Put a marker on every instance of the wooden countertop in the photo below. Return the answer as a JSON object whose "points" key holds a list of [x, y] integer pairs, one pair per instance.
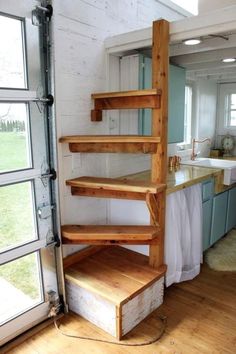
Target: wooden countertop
{"points": [[184, 177]]}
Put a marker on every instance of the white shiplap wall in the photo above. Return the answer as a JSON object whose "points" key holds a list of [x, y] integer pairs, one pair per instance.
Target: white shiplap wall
{"points": [[79, 30]]}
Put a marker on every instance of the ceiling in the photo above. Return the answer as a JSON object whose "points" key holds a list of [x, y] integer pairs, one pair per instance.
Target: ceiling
{"points": [[205, 59]]}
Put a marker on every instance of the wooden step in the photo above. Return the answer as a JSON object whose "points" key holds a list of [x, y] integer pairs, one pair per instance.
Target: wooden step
{"points": [[109, 234], [113, 188], [131, 93], [124, 100], [114, 288], [112, 143]]}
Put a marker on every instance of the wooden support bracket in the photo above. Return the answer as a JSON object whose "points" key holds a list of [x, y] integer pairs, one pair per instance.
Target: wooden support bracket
{"points": [[152, 204]]}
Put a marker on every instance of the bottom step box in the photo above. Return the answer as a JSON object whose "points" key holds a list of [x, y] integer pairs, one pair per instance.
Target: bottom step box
{"points": [[115, 289]]}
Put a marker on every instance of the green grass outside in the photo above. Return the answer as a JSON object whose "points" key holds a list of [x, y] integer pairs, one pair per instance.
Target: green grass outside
{"points": [[16, 220], [13, 153]]}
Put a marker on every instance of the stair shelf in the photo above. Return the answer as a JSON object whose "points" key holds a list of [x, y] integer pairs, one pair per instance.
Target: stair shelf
{"points": [[134, 144], [153, 193], [109, 234], [124, 100]]}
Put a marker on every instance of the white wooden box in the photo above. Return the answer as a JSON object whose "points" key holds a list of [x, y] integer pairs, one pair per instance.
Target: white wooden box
{"points": [[115, 296]]}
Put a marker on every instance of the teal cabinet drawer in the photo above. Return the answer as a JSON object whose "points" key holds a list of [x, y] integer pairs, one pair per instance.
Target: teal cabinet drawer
{"points": [[176, 100], [219, 213], [206, 224], [207, 190], [231, 210]]}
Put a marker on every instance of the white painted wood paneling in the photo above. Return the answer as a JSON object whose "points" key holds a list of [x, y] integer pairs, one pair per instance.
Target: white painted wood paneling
{"points": [[206, 5], [135, 310], [130, 212], [204, 112], [102, 313], [92, 307], [129, 80]]}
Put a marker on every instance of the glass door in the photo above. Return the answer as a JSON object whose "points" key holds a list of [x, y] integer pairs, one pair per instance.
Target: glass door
{"points": [[28, 278]]}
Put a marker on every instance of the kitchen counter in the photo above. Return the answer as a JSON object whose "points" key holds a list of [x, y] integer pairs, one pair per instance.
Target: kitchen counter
{"points": [[185, 176]]}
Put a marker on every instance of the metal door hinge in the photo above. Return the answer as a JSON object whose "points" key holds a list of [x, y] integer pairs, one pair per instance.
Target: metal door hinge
{"points": [[39, 14], [49, 100], [52, 239], [45, 211], [51, 174]]}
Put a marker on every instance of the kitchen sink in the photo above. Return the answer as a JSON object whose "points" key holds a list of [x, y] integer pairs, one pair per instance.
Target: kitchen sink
{"points": [[229, 167]]}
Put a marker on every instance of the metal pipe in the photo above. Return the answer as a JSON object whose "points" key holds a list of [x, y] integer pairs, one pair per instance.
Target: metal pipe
{"points": [[194, 141], [44, 9]]}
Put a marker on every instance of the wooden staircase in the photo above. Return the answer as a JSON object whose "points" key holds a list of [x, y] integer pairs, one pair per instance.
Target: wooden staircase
{"points": [[152, 193]]}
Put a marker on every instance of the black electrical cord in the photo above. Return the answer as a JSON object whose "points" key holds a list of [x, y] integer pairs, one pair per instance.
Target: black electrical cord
{"points": [[148, 342]]}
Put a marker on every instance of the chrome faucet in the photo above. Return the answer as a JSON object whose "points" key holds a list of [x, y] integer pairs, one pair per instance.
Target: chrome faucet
{"points": [[194, 141]]}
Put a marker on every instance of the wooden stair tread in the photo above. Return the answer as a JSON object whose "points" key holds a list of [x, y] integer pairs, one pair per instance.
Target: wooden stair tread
{"points": [[148, 92], [116, 184], [137, 99], [115, 273], [88, 234], [109, 139]]}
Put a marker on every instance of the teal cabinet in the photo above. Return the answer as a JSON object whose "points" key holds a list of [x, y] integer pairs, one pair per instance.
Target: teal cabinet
{"points": [[231, 210], [219, 214], [176, 99], [206, 224], [176, 104], [207, 197], [207, 190]]}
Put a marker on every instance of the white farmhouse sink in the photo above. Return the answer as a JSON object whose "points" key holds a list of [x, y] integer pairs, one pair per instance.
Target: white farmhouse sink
{"points": [[229, 167]]}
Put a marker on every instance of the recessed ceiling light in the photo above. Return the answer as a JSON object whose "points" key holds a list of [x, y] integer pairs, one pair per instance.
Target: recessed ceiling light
{"points": [[192, 41], [229, 60]]}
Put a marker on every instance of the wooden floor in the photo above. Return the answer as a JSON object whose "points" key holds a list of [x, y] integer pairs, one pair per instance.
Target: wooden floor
{"points": [[201, 319]]}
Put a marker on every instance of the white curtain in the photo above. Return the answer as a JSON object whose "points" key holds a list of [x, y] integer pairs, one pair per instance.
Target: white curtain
{"points": [[183, 236]]}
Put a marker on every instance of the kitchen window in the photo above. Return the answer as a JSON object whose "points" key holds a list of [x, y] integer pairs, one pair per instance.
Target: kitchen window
{"points": [[187, 119], [226, 109], [230, 110]]}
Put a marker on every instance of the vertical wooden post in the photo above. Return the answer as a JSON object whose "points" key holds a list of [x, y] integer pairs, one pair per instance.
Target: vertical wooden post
{"points": [[160, 68]]}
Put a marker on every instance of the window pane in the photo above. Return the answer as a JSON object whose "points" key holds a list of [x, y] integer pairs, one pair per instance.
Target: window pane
{"points": [[12, 73], [17, 221], [232, 119], [187, 114], [233, 101], [20, 284], [14, 137]]}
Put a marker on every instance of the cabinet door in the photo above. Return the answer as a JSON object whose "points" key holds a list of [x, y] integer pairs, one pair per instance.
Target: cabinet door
{"points": [[176, 100], [206, 224], [219, 213], [207, 190], [231, 214], [176, 104]]}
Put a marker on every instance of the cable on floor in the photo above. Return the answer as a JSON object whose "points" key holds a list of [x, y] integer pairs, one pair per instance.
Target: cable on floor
{"points": [[148, 342]]}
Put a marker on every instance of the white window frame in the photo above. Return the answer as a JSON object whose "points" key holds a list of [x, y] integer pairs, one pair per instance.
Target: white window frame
{"points": [[188, 119], [224, 91], [228, 110]]}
